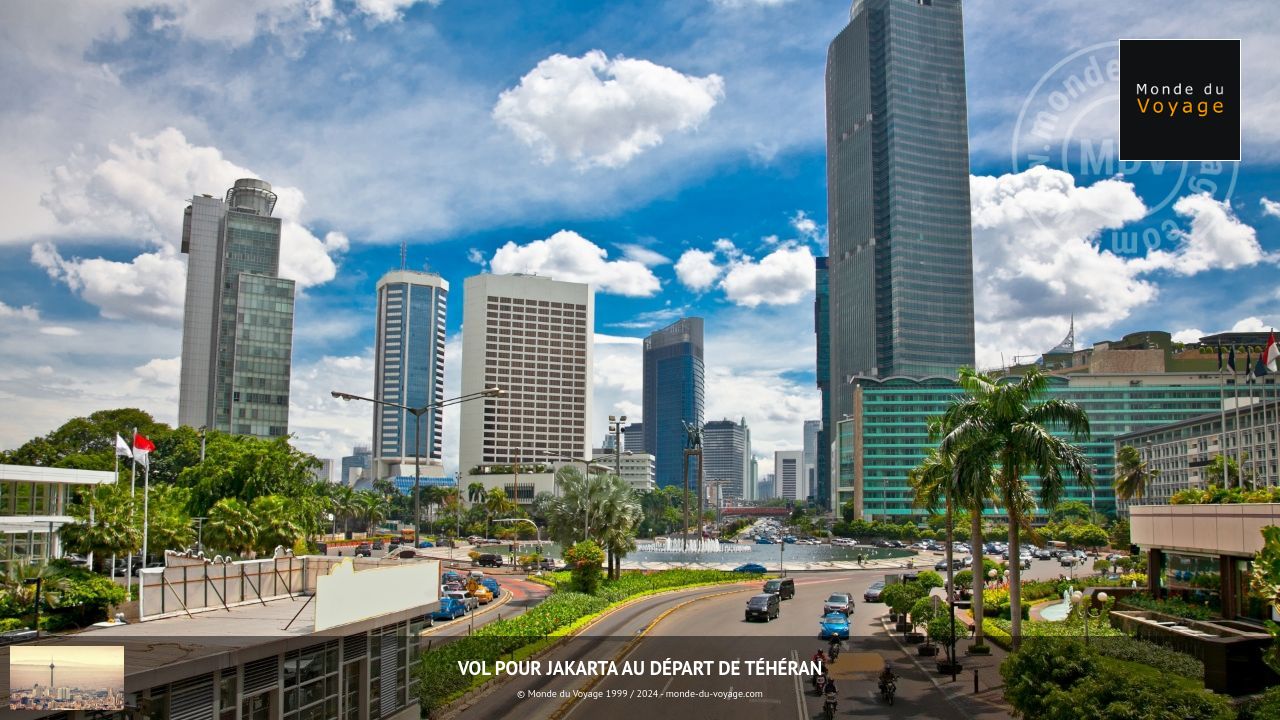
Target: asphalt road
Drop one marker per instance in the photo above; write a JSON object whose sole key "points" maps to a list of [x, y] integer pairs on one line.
{"points": [[709, 624]]}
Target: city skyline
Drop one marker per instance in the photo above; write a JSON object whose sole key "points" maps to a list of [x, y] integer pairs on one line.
{"points": [[86, 668], [707, 199]]}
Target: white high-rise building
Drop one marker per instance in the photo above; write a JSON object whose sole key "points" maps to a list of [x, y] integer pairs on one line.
{"points": [[811, 430], [531, 337], [788, 470]]}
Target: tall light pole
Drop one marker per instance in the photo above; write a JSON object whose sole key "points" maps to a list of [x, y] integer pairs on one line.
{"points": [[615, 427], [417, 450]]}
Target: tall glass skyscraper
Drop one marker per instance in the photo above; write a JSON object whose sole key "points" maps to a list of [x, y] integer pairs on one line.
{"points": [[409, 366], [673, 392], [900, 265], [822, 328], [237, 327]]}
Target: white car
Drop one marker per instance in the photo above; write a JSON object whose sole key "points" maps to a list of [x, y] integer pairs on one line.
{"points": [[469, 601]]}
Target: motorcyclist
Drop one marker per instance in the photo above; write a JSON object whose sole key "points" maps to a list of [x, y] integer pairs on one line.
{"points": [[828, 686], [887, 676], [833, 647], [820, 658]]}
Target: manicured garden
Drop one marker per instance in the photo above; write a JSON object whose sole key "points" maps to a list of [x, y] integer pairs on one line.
{"points": [[70, 597]]}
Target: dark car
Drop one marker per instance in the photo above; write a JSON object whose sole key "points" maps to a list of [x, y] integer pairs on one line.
{"points": [[785, 588], [764, 606], [956, 564], [874, 592], [364, 550], [756, 568], [838, 602], [492, 585], [489, 560]]}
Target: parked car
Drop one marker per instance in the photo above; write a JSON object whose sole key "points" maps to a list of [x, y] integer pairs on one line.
{"points": [[838, 602], [1068, 560], [75, 559], [956, 564], [833, 624], [137, 568], [364, 550], [450, 608], [489, 560], [751, 568], [874, 592], [784, 587], [1043, 554], [765, 606], [547, 564], [426, 544], [465, 598], [451, 576]]}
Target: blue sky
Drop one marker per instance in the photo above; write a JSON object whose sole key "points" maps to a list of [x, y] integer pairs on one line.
{"points": [[671, 153]]}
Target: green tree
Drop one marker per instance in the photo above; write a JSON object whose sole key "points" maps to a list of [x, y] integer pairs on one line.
{"points": [[476, 493], [1118, 534], [276, 521], [1088, 535], [169, 526], [584, 561], [1214, 471], [231, 527], [1132, 474], [113, 530], [1265, 584], [1008, 427], [1071, 511], [373, 508], [1042, 665], [619, 517]]}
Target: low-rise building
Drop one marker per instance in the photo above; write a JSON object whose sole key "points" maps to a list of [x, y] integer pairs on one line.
{"points": [[33, 507], [639, 470]]}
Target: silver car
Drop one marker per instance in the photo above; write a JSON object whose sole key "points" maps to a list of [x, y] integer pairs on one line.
{"points": [[469, 601]]}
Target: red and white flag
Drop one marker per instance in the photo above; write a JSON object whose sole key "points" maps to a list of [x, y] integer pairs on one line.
{"points": [[1270, 353], [142, 448]]}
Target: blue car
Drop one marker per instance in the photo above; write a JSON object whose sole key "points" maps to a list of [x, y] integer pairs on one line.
{"points": [[449, 609], [833, 625], [451, 576], [762, 540], [492, 585], [426, 544], [751, 568]]}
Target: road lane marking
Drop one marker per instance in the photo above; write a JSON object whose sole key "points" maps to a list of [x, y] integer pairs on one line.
{"points": [[800, 712]]}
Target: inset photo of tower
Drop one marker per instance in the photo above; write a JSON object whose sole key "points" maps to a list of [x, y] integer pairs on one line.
{"points": [[67, 677]]}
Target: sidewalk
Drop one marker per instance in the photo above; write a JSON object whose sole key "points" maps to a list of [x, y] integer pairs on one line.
{"points": [[988, 703]]}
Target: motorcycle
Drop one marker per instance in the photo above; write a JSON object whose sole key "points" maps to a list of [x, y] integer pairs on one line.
{"points": [[833, 651], [819, 681], [829, 707], [888, 688]]}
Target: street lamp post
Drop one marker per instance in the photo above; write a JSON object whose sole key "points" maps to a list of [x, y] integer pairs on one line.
{"points": [[615, 427], [417, 416], [1086, 610]]}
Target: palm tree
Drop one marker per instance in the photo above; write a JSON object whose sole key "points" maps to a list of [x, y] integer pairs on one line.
{"points": [[1007, 427], [277, 525], [342, 503], [476, 492], [231, 526], [1132, 474], [112, 531], [373, 507], [620, 514], [567, 514]]}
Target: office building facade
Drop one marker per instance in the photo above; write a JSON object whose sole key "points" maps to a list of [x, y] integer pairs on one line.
{"points": [[33, 508], [811, 430], [900, 266], [409, 367], [530, 336], [887, 435], [357, 466], [237, 329], [633, 437], [673, 396], [788, 474], [822, 330], [726, 448], [638, 469]]}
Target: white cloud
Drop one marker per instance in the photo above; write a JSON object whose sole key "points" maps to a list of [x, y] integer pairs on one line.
{"points": [[1217, 240], [1250, 324], [1270, 207], [653, 319], [567, 255], [150, 287], [160, 371], [595, 111], [321, 424], [26, 312], [475, 256], [646, 256], [59, 331], [1189, 335], [736, 4], [1038, 260], [697, 270], [139, 192], [383, 11], [807, 228], [782, 277]]}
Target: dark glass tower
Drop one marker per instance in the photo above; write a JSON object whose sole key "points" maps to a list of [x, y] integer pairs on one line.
{"points": [[673, 394], [822, 328], [901, 262]]}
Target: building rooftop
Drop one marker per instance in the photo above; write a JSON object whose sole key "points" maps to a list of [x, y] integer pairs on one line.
{"points": [[38, 473]]}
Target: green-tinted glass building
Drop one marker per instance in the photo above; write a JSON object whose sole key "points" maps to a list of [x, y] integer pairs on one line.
{"points": [[886, 436], [237, 331]]}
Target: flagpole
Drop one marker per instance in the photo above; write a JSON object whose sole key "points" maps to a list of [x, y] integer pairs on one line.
{"points": [[1235, 394], [146, 517], [133, 487], [1222, 419]]}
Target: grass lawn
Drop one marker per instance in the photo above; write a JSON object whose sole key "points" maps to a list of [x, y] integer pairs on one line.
{"points": [[1146, 671]]}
